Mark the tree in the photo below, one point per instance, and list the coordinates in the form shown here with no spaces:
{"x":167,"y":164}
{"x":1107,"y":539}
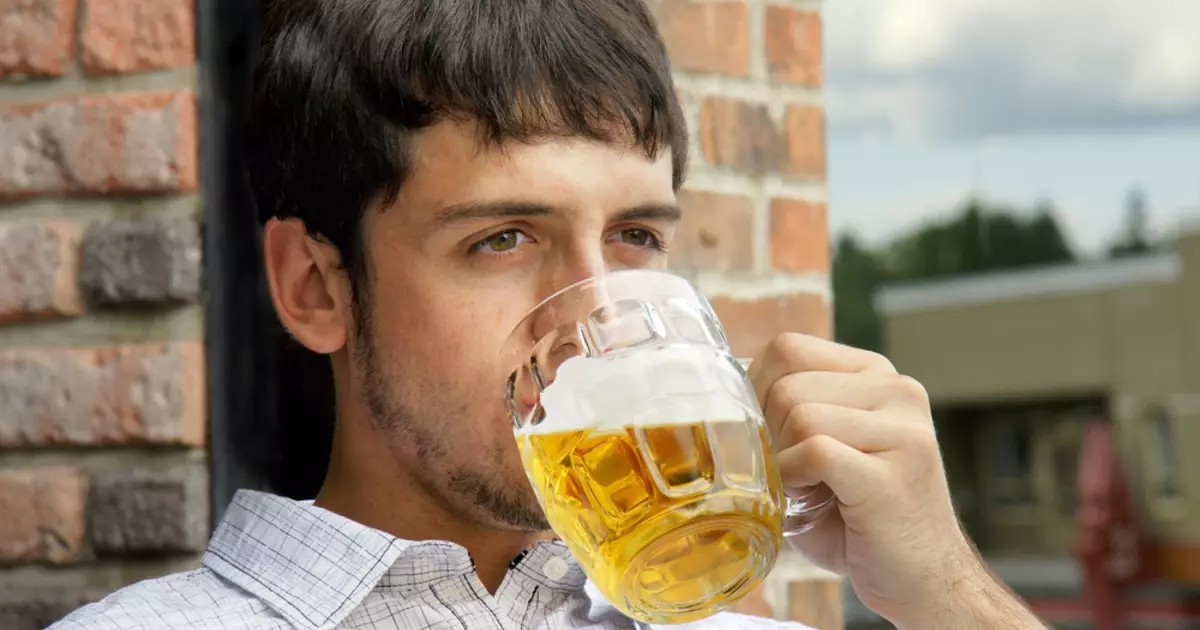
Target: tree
{"x":1045,"y":238}
{"x":1134,"y":238}
{"x":978,"y":238}
{"x":856,"y":275}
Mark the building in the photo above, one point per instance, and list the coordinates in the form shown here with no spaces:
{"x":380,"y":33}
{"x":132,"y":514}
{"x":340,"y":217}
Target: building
{"x":1016,"y":362}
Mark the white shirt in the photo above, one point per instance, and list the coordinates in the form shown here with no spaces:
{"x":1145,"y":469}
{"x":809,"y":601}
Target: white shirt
{"x":278,"y":564}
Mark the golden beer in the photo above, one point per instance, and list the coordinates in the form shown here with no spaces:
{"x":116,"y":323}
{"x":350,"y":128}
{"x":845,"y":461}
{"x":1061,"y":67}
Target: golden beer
{"x":679,"y":519}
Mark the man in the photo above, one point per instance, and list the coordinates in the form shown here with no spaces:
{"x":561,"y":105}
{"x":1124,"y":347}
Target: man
{"x":429,"y":171}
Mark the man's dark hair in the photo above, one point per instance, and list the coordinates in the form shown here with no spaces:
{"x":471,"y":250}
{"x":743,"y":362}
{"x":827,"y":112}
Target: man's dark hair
{"x":340,"y":87}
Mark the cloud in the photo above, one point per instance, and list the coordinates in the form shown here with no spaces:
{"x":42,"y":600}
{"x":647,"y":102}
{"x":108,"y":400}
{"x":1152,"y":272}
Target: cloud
{"x":973,"y":68}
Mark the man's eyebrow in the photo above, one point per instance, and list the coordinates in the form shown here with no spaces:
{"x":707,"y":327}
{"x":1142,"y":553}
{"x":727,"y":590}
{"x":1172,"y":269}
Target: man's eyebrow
{"x":651,"y":212}
{"x":470,"y":210}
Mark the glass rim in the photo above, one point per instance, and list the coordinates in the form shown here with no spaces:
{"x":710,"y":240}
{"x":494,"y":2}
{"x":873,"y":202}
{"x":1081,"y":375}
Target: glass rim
{"x":593,"y":281}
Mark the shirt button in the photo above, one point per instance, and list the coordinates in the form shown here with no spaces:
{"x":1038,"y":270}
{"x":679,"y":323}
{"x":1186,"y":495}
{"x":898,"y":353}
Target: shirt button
{"x":555,"y":568}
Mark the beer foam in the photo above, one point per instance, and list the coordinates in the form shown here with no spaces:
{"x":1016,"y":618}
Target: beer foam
{"x":675,"y":384}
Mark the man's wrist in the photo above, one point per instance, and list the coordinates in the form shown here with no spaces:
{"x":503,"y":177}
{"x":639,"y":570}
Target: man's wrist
{"x":977,"y":601}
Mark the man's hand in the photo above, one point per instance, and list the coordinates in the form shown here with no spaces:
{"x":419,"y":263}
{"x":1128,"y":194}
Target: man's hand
{"x":844,"y":417}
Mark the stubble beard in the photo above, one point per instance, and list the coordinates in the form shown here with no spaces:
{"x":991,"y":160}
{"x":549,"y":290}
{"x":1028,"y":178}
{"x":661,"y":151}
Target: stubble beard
{"x":488,"y":502}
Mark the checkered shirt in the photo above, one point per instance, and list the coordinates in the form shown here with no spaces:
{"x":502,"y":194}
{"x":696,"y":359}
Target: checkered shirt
{"x":278,"y":564}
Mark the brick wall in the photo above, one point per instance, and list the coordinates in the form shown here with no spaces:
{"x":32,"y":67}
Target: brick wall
{"x":102,"y":467}
{"x":102,"y":473}
{"x":755,"y":233}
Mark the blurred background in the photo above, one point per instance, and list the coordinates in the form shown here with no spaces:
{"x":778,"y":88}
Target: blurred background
{"x":1001,"y":196}
{"x":1012,"y":187}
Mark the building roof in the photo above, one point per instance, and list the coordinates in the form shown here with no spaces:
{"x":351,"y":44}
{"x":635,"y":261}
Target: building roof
{"x":1073,"y":279}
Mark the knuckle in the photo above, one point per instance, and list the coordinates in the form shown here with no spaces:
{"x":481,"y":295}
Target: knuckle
{"x":929,"y":441}
{"x":800,"y":424}
{"x":781,"y":396}
{"x":785,"y":344}
{"x":910,"y":390}
{"x":818,"y":451}
{"x":919,"y":439}
{"x":880,"y":363}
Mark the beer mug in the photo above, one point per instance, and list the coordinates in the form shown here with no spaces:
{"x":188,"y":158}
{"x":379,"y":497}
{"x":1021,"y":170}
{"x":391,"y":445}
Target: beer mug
{"x":646,"y":446}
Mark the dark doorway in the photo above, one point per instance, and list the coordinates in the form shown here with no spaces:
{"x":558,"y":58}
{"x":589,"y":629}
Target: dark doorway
{"x":255,"y":376}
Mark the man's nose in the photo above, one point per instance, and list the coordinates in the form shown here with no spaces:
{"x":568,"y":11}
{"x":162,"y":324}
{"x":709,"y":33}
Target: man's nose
{"x":576,"y":265}
{"x":566,"y":270}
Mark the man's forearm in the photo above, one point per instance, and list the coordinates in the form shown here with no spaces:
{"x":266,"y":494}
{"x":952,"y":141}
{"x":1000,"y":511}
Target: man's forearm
{"x":980,"y":601}
{"x":989,"y":605}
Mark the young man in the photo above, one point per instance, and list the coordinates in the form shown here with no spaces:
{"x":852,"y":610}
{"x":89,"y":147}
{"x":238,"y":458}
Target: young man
{"x":429,"y":170}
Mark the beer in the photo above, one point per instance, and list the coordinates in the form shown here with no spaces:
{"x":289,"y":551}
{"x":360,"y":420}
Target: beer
{"x":673,"y":521}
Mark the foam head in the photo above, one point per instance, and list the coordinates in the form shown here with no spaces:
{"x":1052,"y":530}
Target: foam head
{"x":679,"y":383}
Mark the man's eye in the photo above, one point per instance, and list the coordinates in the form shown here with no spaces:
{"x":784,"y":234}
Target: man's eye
{"x":639,"y":238}
{"x":501,"y":242}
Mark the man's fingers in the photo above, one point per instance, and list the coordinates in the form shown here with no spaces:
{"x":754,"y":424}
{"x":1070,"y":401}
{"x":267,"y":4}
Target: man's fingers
{"x":865,"y":392}
{"x":793,"y":352}
{"x":861,"y":430}
{"x":851,"y":474}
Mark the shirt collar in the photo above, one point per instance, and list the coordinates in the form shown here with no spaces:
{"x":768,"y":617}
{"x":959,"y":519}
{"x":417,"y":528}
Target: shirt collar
{"x":314,"y":567}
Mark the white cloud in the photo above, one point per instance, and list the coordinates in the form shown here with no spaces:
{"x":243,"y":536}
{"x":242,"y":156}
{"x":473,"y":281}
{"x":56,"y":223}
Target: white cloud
{"x":971,"y":68}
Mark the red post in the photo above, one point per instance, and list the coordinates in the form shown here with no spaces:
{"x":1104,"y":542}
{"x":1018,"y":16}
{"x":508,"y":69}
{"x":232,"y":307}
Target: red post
{"x":1111,"y":545}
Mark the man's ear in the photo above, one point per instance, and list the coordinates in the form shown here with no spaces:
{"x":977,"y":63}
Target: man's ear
{"x":309,"y":287}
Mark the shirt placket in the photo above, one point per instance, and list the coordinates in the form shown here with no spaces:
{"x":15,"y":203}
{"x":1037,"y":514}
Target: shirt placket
{"x":465,"y":599}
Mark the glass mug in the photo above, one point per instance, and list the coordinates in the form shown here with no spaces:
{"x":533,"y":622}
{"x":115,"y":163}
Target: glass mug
{"x":646,"y":446}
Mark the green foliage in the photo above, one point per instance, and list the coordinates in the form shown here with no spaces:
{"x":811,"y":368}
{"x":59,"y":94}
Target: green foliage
{"x":1134,"y":238}
{"x":977,"y":238}
{"x":857,"y":273}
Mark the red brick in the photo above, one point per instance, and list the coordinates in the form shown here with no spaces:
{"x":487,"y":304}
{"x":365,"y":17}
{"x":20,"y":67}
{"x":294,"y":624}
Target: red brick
{"x":799,"y":236}
{"x":149,"y":394}
{"x":805,"y":128}
{"x":43,"y":515}
{"x":39,"y":267}
{"x":740,"y":136}
{"x":122,"y":143}
{"x":37,"y":37}
{"x":709,"y":37}
{"x":717,"y":232}
{"x":122,"y":36}
{"x":751,"y":324}
{"x":793,"y":45}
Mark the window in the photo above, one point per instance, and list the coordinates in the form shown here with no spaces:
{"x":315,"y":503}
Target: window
{"x":1066,"y":470}
{"x":1012,"y":464}
{"x":1162,"y":463}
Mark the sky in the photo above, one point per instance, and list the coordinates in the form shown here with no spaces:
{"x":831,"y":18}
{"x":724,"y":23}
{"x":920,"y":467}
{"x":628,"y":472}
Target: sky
{"x":1070,"y":101}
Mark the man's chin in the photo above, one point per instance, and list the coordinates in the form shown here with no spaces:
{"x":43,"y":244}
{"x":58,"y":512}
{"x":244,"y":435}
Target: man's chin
{"x":510,"y":508}
{"x":520,"y":515}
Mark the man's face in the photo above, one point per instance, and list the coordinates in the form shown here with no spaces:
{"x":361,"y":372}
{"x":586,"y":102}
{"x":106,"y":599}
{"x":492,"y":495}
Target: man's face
{"x":477,"y":237}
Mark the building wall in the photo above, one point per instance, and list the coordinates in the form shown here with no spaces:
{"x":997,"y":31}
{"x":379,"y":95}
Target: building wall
{"x":1134,"y":347}
{"x":1126,"y":345}
{"x":1179,"y":520}
{"x":102,"y":412}
{"x":101,"y":365}
{"x":1025,"y":347}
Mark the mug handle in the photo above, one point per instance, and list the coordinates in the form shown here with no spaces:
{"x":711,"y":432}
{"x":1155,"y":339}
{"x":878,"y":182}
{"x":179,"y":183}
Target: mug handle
{"x":804,"y":511}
